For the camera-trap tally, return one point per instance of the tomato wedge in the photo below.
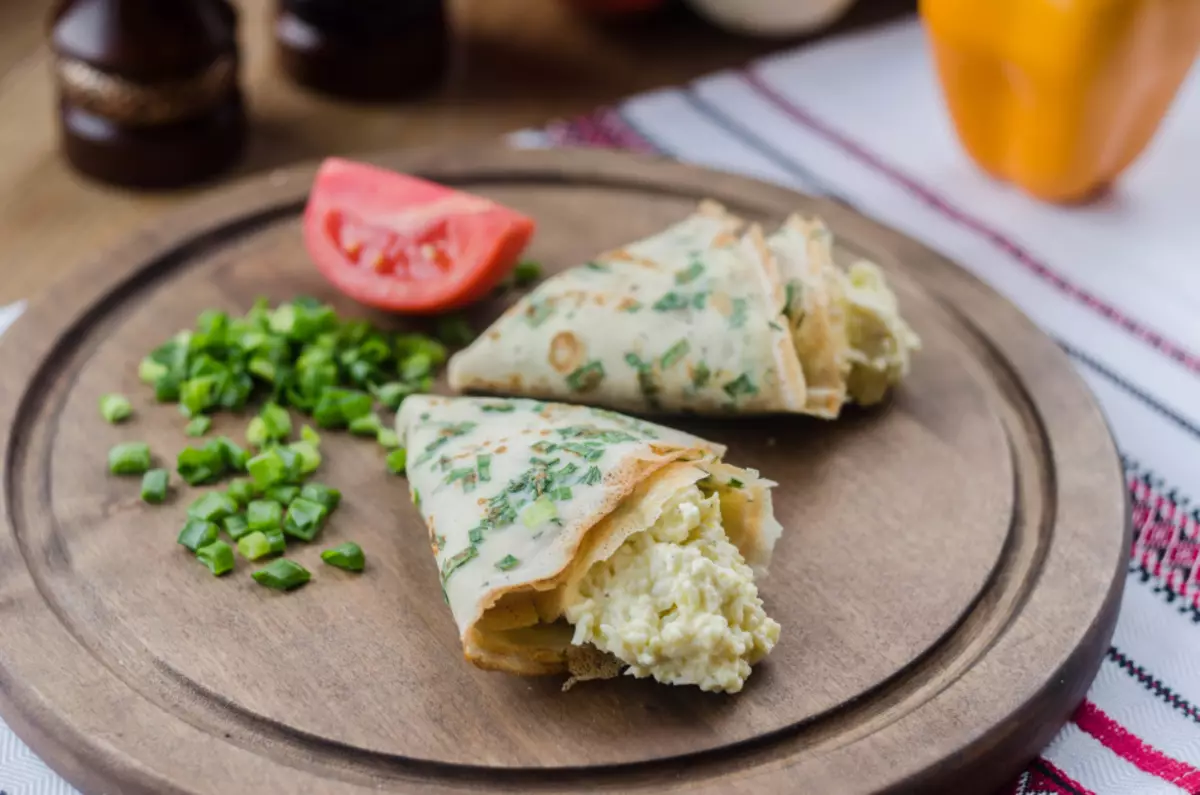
(404, 244)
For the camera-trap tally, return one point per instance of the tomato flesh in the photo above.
(404, 244)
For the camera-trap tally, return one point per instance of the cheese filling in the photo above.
(677, 601)
(880, 340)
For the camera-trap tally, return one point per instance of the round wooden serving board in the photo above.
(947, 581)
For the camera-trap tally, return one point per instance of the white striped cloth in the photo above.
(1117, 284)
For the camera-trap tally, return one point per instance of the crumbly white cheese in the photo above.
(677, 601)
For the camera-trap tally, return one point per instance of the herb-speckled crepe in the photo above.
(522, 497)
(706, 316)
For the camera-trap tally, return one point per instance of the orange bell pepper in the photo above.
(1060, 96)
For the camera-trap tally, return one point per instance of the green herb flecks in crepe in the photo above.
(736, 322)
(545, 519)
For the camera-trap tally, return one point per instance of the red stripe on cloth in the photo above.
(1020, 254)
(1129, 747)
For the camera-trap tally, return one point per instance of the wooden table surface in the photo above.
(519, 63)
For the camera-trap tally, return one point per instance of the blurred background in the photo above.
(509, 64)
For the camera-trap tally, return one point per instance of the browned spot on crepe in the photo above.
(721, 303)
(567, 352)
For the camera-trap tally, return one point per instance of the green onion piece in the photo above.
(154, 486)
(416, 366)
(212, 507)
(264, 515)
(507, 562)
(392, 394)
(310, 457)
(409, 344)
(231, 455)
(336, 408)
(256, 433)
(455, 331)
(387, 438)
(115, 408)
(322, 495)
(218, 556)
(539, 512)
(277, 540)
(150, 371)
(241, 491)
(304, 519)
(255, 545)
(277, 421)
(235, 526)
(397, 461)
(197, 533)
(307, 434)
(366, 425)
(348, 556)
(282, 575)
(527, 272)
(129, 458)
(198, 466)
(267, 469)
(198, 426)
(282, 494)
(198, 394)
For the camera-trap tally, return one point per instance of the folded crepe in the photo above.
(574, 539)
(707, 316)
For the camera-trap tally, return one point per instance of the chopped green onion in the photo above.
(232, 456)
(675, 353)
(241, 491)
(700, 375)
(197, 533)
(277, 540)
(339, 407)
(310, 457)
(256, 433)
(742, 385)
(409, 344)
(115, 408)
(455, 331)
(267, 469)
(307, 434)
(129, 458)
(387, 438)
(348, 556)
(539, 512)
(277, 422)
(392, 394)
(282, 575)
(586, 377)
(150, 371)
(416, 366)
(304, 519)
(507, 562)
(527, 272)
(154, 486)
(235, 526)
(254, 546)
(212, 507)
(366, 425)
(198, 426)
(218, 556)
(322, 495)
(735, 483)
(282, 494)
(397, 461)
(693, 272)
(200, 465)
(264, 515)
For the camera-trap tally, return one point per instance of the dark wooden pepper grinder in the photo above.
(368, 50)
(148, 89)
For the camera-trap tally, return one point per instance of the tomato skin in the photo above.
(404, 244)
